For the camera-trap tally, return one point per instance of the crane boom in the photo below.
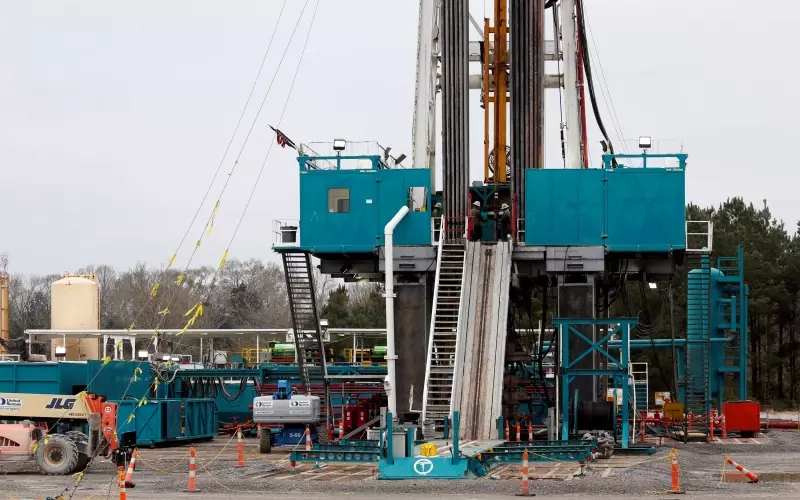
(424, 139)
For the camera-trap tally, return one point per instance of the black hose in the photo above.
(589, 80)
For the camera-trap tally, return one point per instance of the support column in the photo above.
(413, 306)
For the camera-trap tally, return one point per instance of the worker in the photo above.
(503, 222)
(476, 232)
(437, 220)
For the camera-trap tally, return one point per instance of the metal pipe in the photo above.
(571, 105)
(391, 357)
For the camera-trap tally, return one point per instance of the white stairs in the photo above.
(443, 342)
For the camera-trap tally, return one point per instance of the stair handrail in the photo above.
(432, 329)
(459, 328)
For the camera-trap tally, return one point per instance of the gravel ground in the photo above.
(163, 475)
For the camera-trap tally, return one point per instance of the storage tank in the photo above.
(75, 305)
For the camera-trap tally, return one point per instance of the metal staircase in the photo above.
(308, 339)
(443, 341)
(698, 348)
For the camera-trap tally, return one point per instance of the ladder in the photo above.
(698, 345)
(308, 340)
(443, 342)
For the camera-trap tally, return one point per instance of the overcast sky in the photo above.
(115, 115)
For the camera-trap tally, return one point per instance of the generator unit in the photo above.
(283, 418)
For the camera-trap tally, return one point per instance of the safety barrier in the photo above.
(525, 486)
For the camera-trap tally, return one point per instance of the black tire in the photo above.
(84, 457)
(57, 455)
(265, 441)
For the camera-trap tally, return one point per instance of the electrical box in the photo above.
(743, 417)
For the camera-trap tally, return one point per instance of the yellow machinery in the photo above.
(61, 432)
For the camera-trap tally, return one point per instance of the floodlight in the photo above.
(142, 354)
(61, 351)
(645, 142)
(653, 286)
(176, 359)
(165, 357)
(339, 145)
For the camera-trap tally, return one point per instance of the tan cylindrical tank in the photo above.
(75, 305)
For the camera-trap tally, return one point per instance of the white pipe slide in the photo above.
(391, 357)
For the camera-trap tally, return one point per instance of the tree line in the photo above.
(252, 294)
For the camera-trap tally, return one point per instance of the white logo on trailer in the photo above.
(423, 466)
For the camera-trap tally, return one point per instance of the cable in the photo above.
(590, 80)
(609, 102)
(263, 164)
(235, 130)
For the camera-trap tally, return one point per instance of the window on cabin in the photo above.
(338, 200)
(418, 199)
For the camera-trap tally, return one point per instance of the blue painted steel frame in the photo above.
(617, 368)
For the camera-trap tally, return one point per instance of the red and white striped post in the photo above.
(131, 468)
(752, 478)
(507, 435)
(525, 486)
(676, 478)
(123, 493)
(341, 427)
(519, 436)
(712, 422)
(192, 487)
(724, 427)
(530, 433)
(308, 438)
(240, 450)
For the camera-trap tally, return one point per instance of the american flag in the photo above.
(282, 139)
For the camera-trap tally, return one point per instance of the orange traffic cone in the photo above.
(752, 478)
(530, 433)
(192, 488)
(308, 438)
(525, 486)
(240, 451)
(676, 478)
(341, 428)
(517, 430)
(123, 493)
(131, 468)
(507, 435)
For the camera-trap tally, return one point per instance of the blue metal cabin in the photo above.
(624, 209)
(344, 211)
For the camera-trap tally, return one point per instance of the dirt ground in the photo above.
(162, 473)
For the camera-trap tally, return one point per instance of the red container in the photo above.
(743, 417)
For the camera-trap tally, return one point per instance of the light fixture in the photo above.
(653, 286)
(339, 145)
(61, 351)
(142, 354)
(176, 359)
(645, 142)
(165, 357)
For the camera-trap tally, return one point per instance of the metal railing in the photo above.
(699, 236)
(285, 232)
(519, 237)
(9, 358)
(436, 229)
(455, 228)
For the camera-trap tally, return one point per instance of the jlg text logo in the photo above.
(61, 404)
